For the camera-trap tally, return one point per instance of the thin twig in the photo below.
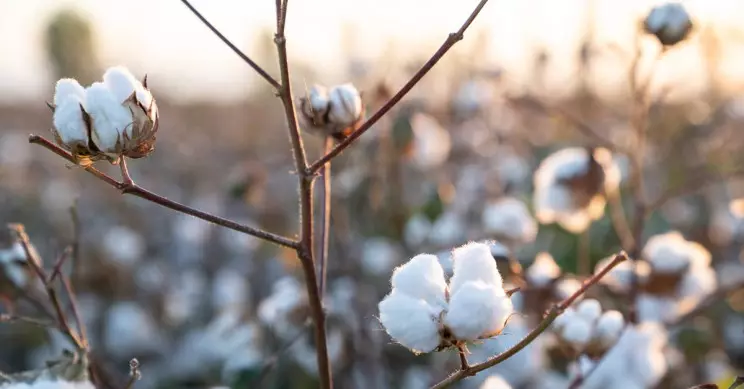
(326, 214)
(66, 253)
(532, 335)
(4, 318)
(448, 43)
(464, 365)
(70, 291)
(234, 48)
(135, 190)
(305, 249)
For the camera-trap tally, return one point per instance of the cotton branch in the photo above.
(443, 49)
(135, 190)
(552, 314)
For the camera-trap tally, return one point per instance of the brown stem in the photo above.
(305, 249)
(326, 226)
(464, 365)
(532, 335)
(234, 48)
(135, 190)
(448, 43)
(620, 220)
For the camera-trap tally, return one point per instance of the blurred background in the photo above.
(202, 306)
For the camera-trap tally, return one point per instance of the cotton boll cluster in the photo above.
(335, 111)
(680, 275)
(424, 313)
(670, 23)
(107, 120)
(588, 330)
(571, 184)
(509, 220)
(636, 361)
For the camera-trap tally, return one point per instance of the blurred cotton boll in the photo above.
(380, 255)
(543, 270)
(334, 111)
(672, 253)
(230, 290)
(495, 382)
(417, 230)
(509, 220)
(130, 330)
(50, 384)
(570, 187)
(184, 295)
(124, 245)
(448, 229)
(670, 23)
(283, 309)
(431, 143)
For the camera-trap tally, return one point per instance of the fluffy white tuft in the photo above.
(543, 270)
(477, 309)
(422, 277)
(110, 118)
(671, 253)
(577, 331)
(122, 84)
(474, 262)
(68, 89)
(69, 99)
(410, 321)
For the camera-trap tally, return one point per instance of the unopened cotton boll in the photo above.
(669, 22)
(589, 310)
(543, 270)
(474, 262)
(410, 321)
(422, 277)
(345, 105)
(476, 310)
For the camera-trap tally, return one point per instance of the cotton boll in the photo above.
(345, 104)
(109, 117)
(124, 245)
(509, 219)
(421, 277)
(589, 310)
(495, 382)
(543, 270)
(229, 290)
(474, 262)
(379, 256)
(318, 97)
(577, 331)
(567, 287)
(130, 330)
(410, 321)
(608, 328)
(568, 315)
(671, 253)
(648, 363)
(477, 309)
(120, 82)
(432, 143)
(416, 230)
(68, 120)
(651, 308)
(68, 89)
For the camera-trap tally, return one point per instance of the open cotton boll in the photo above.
(410, 321)
(422, 277)
(495, 382)
(477, 309)
(69, 100)
(609, 326)
(474, 262)
(568, 315)
(589, 310)
(671, 253)
(543, 270)
(110, 118)
(577, 331)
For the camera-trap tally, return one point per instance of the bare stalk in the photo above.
(326, 214)
(541, 327)
(443, 49)
(136, 190)
(306, 177)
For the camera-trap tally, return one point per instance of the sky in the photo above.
(163, 39)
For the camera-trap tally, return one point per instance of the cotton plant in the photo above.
(588, 330)
(425, 313)
(114, 118)
(572, 185)
(509, 221)
(637, 361)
